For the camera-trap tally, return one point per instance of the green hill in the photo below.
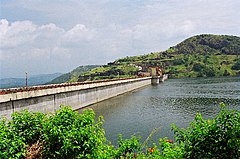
(198, 56)
(73, 75)
(209, 44)
(205, 56)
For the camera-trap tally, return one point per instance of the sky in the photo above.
(48, 36)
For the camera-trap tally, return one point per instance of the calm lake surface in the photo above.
(174, 101)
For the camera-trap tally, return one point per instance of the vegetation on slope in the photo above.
(205, 56)
(109, 72)
(203, 66)
(199, 56)
(73, 75)
(209, 44)
(67, 134)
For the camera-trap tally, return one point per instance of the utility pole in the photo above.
(26, 79)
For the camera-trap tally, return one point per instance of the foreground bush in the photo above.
(16, 135)
(215, 138)
(67, 134)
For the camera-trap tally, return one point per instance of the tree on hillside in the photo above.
(236, 66)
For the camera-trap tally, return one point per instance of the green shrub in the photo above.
(171, 149)
(68, 134)
(27, 125)
(15, 135)
(198, 67)
(128, 147)
(12, 145)
(213, 138)
(236, 65)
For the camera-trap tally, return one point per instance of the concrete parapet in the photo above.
(75, 95)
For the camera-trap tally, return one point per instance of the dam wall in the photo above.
(78, 95)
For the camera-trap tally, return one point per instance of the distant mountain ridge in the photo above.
(73, 75)
(32, 80)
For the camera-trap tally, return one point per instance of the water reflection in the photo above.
(174, 101)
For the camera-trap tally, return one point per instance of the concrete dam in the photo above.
(48, 98)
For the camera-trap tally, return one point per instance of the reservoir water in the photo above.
(174, 101)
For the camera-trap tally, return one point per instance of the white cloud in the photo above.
(3, 26)
(79, 33)
(26, 44)
(56, 36)
(16, 34)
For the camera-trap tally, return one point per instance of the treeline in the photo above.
(68, 134)
(204, 66)
(209, 44)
